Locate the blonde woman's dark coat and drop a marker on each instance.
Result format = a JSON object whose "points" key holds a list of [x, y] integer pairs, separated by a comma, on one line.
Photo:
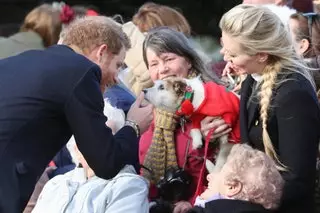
{"points": [[294, 127]]}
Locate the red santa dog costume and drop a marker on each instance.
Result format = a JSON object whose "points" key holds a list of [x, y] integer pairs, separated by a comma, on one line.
{"points": [[217, 101]]}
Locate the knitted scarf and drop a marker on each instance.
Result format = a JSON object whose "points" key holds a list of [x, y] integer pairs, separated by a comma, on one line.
{"points": [[162, 153]]}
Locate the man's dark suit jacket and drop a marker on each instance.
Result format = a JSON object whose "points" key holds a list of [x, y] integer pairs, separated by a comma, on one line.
{"points": [[45, 97], [293, 125]]}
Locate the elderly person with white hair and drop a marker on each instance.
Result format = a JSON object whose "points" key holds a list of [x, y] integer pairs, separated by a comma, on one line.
{"points": [[248, 182], [80, 190]]}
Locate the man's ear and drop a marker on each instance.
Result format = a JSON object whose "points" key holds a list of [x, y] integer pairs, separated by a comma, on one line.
{"points": [[304, 45], [101, 51], [233, 188]]}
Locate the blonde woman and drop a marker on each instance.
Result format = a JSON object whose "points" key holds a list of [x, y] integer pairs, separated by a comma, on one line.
{"points": [[279, 110]]}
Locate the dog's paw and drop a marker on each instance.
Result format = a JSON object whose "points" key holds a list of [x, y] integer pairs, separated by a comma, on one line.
{"points": [[196, 138]]}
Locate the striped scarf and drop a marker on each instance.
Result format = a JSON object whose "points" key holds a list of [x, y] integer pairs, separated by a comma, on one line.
{"points": [[162, 153]]}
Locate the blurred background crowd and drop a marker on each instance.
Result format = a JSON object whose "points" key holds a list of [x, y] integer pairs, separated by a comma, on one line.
{"points": [[37, 24]]}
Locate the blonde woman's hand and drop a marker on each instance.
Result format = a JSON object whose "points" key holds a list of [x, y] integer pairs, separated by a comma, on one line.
{"points": [[182, 207], [232, 70], [237, 88], [227, 69], [217, 123]]}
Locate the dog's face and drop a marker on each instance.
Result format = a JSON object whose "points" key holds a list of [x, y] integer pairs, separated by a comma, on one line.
{"points": [[166, 94]]}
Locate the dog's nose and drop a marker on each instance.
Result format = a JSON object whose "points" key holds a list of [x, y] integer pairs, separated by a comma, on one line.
{"points": [[144, 91]]}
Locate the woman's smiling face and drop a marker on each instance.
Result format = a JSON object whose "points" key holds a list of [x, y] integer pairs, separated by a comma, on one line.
{"points": [[166, 65], [240, 62]]}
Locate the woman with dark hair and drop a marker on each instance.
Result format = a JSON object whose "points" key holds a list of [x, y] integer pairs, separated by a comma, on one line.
{"points": [[165, 148]]}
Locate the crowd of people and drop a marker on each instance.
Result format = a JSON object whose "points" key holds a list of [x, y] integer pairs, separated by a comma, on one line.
{"points": [[77, 134]]}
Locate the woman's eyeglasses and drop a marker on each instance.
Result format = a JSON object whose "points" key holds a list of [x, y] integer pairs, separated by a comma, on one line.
{"points": [[310, 17]]}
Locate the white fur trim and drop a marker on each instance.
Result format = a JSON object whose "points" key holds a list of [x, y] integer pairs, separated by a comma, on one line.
{"points": [[198, 96], [196, 138]]}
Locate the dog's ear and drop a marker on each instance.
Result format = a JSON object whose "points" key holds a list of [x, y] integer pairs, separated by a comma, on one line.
{"points": [[179, 87]]}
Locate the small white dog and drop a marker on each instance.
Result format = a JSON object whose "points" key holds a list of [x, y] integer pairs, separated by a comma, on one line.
{"points": [[195, 100]]}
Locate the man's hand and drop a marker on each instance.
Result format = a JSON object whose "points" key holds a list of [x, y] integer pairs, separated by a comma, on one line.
{"points": [[141, 115]]}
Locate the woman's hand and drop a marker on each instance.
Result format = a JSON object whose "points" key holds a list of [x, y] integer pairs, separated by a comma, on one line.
{"points": [[217, 123], [232, 70], [237, 88], [227, 69], [182, 207]]}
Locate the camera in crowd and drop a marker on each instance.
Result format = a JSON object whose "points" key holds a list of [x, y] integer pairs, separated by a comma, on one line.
{"points": [[175, 185]]}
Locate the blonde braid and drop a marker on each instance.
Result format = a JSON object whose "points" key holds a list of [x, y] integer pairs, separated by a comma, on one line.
{"points": [[269, 79]]}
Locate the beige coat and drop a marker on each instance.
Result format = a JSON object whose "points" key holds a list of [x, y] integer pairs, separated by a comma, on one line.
{"points": [[138, 77]]}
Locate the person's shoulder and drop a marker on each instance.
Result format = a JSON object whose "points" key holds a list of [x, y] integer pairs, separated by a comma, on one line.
{"points": [[127, 171], [66, 53], [292, 84], [237, 206], [129, 178], [58, 182], [66, 58], [196, 209], [18, 43]]}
